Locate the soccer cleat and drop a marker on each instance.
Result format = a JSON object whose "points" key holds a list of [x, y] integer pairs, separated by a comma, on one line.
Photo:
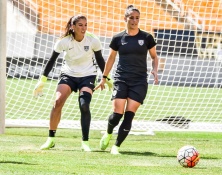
{"points": [[48, 144], [114, 150], [104, 142], [85, 146]]}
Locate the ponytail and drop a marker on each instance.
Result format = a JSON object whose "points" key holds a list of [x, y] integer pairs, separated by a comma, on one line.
{"points": [[72, 21]]}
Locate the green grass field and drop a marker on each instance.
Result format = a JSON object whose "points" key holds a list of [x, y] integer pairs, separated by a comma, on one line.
{"points": [[141, 155]]}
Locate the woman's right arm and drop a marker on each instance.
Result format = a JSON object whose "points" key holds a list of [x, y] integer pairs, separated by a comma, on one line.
{"points": [[50, 63], [110, 62], [108, 67], [38, 91]]}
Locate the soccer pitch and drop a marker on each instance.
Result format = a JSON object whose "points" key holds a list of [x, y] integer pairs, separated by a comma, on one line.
{"points": [[140, 155], [189, 48]]}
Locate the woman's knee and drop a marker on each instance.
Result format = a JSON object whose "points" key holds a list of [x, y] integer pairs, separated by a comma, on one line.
{"points": [[58, 103], [84, 101]]}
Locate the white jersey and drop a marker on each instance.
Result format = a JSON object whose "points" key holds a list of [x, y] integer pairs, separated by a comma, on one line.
{"points": [[78, 56]]}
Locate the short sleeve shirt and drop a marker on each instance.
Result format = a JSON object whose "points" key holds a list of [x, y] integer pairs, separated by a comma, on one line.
{"points": [[132, 51], [79, 58]]}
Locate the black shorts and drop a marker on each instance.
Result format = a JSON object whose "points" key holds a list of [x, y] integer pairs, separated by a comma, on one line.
{"points": [[77, 83], [128, 89]]}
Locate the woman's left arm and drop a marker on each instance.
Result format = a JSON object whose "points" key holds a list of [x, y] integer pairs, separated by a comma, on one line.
{"points": [[100, 60], [155, 63]]}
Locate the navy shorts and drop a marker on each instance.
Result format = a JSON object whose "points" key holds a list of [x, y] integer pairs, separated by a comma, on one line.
{"points": [[77, 83], [128, 89]]}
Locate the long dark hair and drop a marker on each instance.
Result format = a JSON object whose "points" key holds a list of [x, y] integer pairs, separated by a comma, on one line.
{"points": [[129, 9], [72, 21]]}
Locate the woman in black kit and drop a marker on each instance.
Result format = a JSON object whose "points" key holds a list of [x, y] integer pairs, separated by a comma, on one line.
{"points": [[130, 79]]}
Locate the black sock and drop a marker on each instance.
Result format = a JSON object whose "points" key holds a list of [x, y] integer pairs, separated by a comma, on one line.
{"points": [[84, 103], [52, 133], [125, 127]]}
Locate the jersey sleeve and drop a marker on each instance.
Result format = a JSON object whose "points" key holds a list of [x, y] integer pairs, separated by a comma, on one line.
{"points": [[150, 41], [113, 44], [58, 47], [96, 45]]}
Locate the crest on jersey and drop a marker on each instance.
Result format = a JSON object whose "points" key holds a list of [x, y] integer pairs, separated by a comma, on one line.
{"points": [[86, 48], [141, 42]]}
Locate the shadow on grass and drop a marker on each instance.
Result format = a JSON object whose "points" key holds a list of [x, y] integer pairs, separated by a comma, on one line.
{"points": [[157, 155], [14, 162], [132, 153], [139, 153]]}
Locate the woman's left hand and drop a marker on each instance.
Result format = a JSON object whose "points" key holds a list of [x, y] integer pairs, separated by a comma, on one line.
{"points": [[155, 77]]}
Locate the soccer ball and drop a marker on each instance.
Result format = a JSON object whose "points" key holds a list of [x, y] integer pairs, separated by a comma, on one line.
{"points": [[188, 156]]}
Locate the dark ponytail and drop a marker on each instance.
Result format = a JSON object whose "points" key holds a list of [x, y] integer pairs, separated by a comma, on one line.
{"points": [[72, 21], [129, 9]]}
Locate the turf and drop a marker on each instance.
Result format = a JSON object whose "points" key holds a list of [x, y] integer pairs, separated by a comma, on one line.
{"points": [[142, 155]]}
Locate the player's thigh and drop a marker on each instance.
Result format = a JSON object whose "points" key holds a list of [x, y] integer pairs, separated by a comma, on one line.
{"points": [[119, 96], [62, 93], [119, 105], [132, 105]]}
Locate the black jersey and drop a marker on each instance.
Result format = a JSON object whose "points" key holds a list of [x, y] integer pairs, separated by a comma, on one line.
{"points": [[132, 54]]}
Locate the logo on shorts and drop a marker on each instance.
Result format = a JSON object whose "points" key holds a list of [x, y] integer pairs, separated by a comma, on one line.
{"points": [[86, 48], [114, 92], [141, 42], [65, 79]]}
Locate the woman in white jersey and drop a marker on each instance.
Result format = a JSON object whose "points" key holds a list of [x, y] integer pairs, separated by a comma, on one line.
{"points": [[77, 74], [130, 79]]}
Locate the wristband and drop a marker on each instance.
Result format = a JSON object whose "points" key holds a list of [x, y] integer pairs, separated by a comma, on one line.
{"points": [[106, 77]]}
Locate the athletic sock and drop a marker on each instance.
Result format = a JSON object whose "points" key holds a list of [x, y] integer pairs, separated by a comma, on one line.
{"points": [[52, 133], [125, 127]]}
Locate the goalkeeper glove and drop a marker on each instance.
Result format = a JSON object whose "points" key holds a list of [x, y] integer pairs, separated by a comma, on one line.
{"points": [[109, 82], [39, 86]]}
